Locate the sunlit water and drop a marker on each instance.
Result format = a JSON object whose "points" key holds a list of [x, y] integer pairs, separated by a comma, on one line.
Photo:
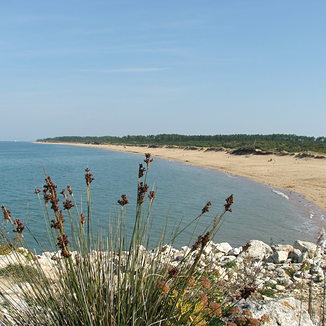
{"points": [[182, 191]]}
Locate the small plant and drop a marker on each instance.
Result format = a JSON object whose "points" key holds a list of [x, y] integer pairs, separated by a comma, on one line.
{"points": [[271, 286], [20, 273], [268, 292], [5, 249], [290, 272], [230, 264]]}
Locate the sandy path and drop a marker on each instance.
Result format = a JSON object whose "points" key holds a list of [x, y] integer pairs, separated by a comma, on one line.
{"points": [[306, 176]]}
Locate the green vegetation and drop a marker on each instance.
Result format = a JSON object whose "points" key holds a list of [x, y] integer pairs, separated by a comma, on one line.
{"points": [[5, 249], [268, 292], [20, 273], [230, 264], [276, 143]]}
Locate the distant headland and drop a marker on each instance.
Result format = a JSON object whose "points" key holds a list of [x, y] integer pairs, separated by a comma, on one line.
{"points": [[238, 143]]}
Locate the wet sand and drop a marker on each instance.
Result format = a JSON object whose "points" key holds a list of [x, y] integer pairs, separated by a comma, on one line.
{"points": [[306, 176]]}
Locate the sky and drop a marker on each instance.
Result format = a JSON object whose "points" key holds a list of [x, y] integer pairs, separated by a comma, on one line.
{"points": [[116, 67]]}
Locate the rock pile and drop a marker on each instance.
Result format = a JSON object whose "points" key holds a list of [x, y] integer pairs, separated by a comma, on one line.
{"points": [[284, 277]]}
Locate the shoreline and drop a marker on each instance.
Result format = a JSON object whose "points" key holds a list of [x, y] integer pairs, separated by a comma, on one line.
{"points": [[304, 176]]}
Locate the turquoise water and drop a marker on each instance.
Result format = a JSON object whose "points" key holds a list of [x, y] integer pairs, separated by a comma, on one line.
{"points": [[182, 191]]}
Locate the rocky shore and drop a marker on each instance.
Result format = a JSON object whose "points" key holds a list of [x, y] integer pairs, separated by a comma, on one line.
{"points": [[284, 278]]}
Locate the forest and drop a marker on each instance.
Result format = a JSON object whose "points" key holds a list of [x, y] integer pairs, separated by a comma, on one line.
{"points": [[275, 143]]}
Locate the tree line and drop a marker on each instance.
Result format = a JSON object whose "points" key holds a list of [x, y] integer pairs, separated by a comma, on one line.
{"points": [[274, 142]]}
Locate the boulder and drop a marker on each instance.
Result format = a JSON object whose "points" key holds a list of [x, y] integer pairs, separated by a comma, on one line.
{"points": [[281, 312], [305, 246], [282, 247], [256, 249], [280, 257], [235, 251], [296, 256], [224, 247]]}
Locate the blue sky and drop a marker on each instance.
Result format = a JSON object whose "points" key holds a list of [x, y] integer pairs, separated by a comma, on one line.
{"points": [[78, 67]]}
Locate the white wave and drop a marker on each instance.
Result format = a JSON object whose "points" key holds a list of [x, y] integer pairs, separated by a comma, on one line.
{"points": [[230, 175], [280, 193]]}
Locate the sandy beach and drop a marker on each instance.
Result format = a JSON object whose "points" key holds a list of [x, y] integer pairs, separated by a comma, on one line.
{"points": [[306, 176]]}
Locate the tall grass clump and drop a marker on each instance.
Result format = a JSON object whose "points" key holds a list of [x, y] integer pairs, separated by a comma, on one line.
{"points": [[113, 278]]}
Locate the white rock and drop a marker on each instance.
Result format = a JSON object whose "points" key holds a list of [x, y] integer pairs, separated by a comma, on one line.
{"points": [[318, 278], [179, 258], [306, 246], [270, 267], [295, 255], [257, 249], [282, 247], [282, 312], [222, 247], [208, 249], [279, 287], [304, 256], [185, 250], [279, 257], [12, 258], [285, 281], [235, 251], [274, 282]]}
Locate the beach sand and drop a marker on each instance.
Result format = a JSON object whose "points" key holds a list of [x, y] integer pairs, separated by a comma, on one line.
{"points": [[306, 176]]}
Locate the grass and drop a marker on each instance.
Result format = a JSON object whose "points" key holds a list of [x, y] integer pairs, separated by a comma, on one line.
{"points": [[268, 292], [230, 264], [111, 279], [5, 249], [20, 273]]}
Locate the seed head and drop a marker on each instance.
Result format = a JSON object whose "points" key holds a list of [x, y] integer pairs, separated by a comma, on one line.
{"points": [[69, 190], [88, 177], [123, 201], [20, 227], [173, 272], [148, 159], [203, 298], [151, 195], [206, 208], [6, 213], [82, 219], [205, 282], [246, 292], [216, 309], [67, 204], [229, 202], [142, 189], [163, 287], [141, 170], [201, 241]]}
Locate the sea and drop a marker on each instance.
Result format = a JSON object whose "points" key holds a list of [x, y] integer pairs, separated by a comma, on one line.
{"points": [[182, 190]]}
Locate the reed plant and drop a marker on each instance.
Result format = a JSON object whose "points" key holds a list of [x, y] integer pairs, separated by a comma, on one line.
{"points": [[109, 279]]}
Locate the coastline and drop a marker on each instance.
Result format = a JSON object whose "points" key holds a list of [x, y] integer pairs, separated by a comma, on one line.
{"points": [[305, 176]]}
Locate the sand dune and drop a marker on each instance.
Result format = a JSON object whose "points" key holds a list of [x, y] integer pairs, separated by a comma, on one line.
{"points": [[306, 176]]}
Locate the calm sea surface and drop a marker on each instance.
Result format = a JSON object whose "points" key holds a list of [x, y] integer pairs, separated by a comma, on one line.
{"points": [[182, 191]]}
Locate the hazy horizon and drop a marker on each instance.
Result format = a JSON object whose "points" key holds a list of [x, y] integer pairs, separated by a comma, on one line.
{"points": [[33, 140]]}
